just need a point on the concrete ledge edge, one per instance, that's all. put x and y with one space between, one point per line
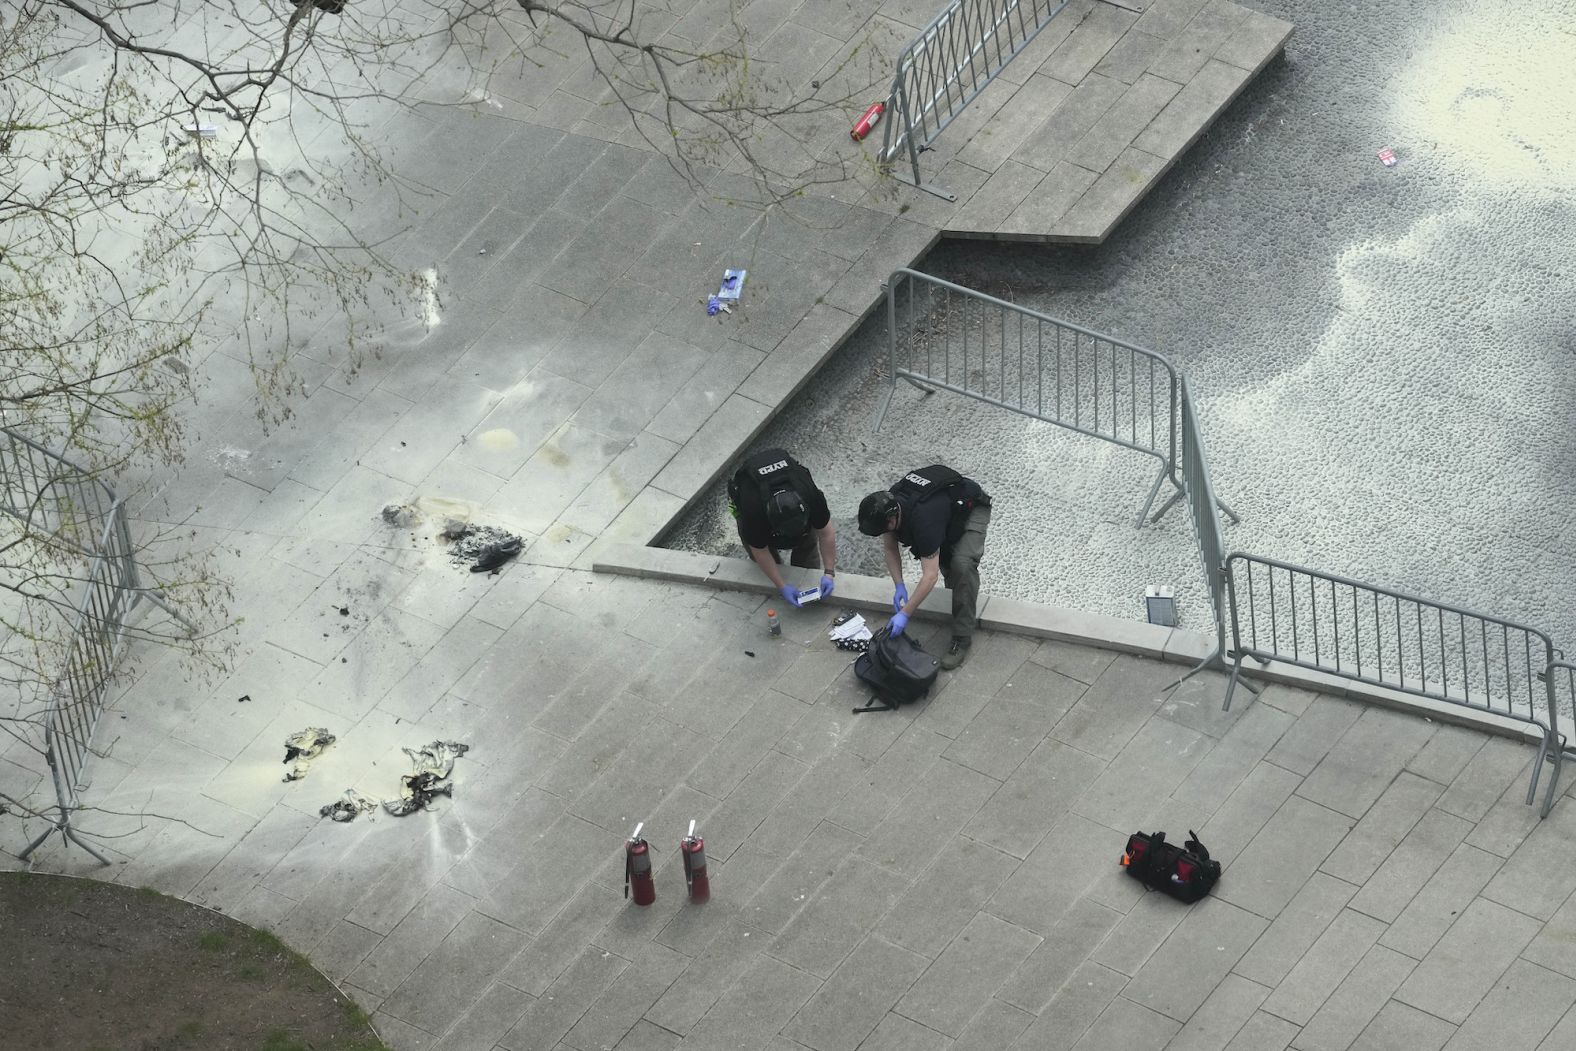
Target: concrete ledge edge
1173 645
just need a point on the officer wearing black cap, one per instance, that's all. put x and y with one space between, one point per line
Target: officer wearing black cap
778 505
941 517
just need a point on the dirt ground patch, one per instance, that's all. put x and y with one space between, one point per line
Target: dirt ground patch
93 965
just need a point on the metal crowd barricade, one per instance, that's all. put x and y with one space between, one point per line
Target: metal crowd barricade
1294 615
941 335
1204 511
58 502
949 63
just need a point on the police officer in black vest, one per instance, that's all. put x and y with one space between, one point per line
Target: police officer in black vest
778 505
941 517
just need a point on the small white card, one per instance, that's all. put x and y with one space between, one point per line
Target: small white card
809 594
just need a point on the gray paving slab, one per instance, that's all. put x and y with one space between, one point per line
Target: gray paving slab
1089 42
551 1016
1015 121
1125 695
1014 722
1404 872
1363 763
766 997
963 978
1149 767
1386 824
1561 1035
1116 129
1188 113
1263 1031
1465 964
1069 941
857 996
1535 881
1356 1001
1065 126
1168 983
849 904
1219 1018
1281 858
1074 1008
1130 56
1111 197
449 981
1190 49
1332 960
1519 1012
1138 935
1010 187
945 898
1448 892
493 1015
1048 202
1401 1027
1043 788
997 1025
622 1007
1075 858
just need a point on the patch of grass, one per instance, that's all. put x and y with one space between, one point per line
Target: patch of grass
903 208
267 941
356 1016
279 1040
213 941
249 973
189 1030
148 892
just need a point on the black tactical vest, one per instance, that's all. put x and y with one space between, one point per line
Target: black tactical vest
764 473
918 486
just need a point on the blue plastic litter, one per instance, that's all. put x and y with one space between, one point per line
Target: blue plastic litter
732 285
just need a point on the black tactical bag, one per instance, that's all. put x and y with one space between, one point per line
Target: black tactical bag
1186 872
897 669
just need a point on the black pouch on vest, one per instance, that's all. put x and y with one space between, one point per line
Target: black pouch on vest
1186 873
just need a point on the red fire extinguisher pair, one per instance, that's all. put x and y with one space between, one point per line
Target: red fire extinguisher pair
637 867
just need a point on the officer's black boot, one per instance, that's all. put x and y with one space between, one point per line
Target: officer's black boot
957 654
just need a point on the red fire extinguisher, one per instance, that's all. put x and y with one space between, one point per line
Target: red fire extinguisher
637 868
693 848
871 118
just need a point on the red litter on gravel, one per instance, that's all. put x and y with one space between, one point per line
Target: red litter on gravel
1387 157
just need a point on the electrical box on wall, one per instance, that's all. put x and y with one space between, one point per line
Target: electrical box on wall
1160 606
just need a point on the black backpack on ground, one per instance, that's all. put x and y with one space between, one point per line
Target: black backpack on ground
897 668
1186 872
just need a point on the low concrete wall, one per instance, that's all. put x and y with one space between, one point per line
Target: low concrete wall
1036 621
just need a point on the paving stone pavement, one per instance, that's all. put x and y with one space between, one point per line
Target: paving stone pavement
944 876
922 878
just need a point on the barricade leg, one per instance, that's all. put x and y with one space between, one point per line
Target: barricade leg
886 403
1154 490
63 826
1231 686
1549 749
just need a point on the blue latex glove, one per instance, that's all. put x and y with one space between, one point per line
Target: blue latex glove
898 622
827 585
790 595
899 597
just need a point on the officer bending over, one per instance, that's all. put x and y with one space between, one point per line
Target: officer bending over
778 506
941 517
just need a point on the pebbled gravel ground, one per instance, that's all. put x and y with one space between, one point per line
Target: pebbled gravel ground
1383 358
